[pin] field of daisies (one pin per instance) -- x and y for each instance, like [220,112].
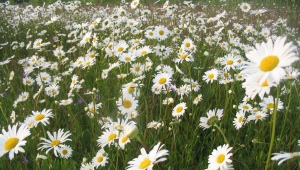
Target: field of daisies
[149,86]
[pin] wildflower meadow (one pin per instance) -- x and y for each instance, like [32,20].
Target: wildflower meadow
[141,85]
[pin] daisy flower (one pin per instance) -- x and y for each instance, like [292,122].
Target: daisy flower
[220,157]
[210,75]
[283,156]
[198,99]
[179,110]
[127,103]
[108,137]
[100,159]
[239,119]
[134,4]
[41,117]
[268,59]
[269,103]
[213,116]
[245,7]
[65,151]
[245,106]
[258,116]
[154,124]
[87,166]
[162,79]
[147,161]
[161,32]
[12,140]
[120,47]
[56,141]
[253,87]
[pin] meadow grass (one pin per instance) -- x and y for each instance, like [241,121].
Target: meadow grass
[51,44]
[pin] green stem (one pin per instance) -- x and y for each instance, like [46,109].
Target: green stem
[221,131]
[273,122]
[3,112]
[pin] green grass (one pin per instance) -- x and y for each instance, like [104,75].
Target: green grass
[189,145]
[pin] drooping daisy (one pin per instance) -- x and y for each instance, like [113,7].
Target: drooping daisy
[283,156]
[100,159]
[220,157]
[127,103]
[12,140]
[154,125]
[268,59]
[56,141]
[147,161]
[179,110]
[213,116]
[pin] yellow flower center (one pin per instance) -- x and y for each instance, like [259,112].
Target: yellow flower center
[258,116]
[144,52]
[187,44]
[150,33]
[161,32]
[179,109]
[162,80]
[220,158]
[39,117]
[136,41]
[145,163]
[38,44]
[55,143]
[245,107]
[270,105]
[11,143]
[240,119]
[245,7]
[134,3]
[127,58]
[137,69]
[127,103]
[92,55]
[124,139]
[269,63]
[120,49]
[100,159]
[183,56]
[92,109]
[64,152]
[210,76]
[130,89]
[229,62]
[112,137]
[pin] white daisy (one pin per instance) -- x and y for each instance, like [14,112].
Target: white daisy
[12,140]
